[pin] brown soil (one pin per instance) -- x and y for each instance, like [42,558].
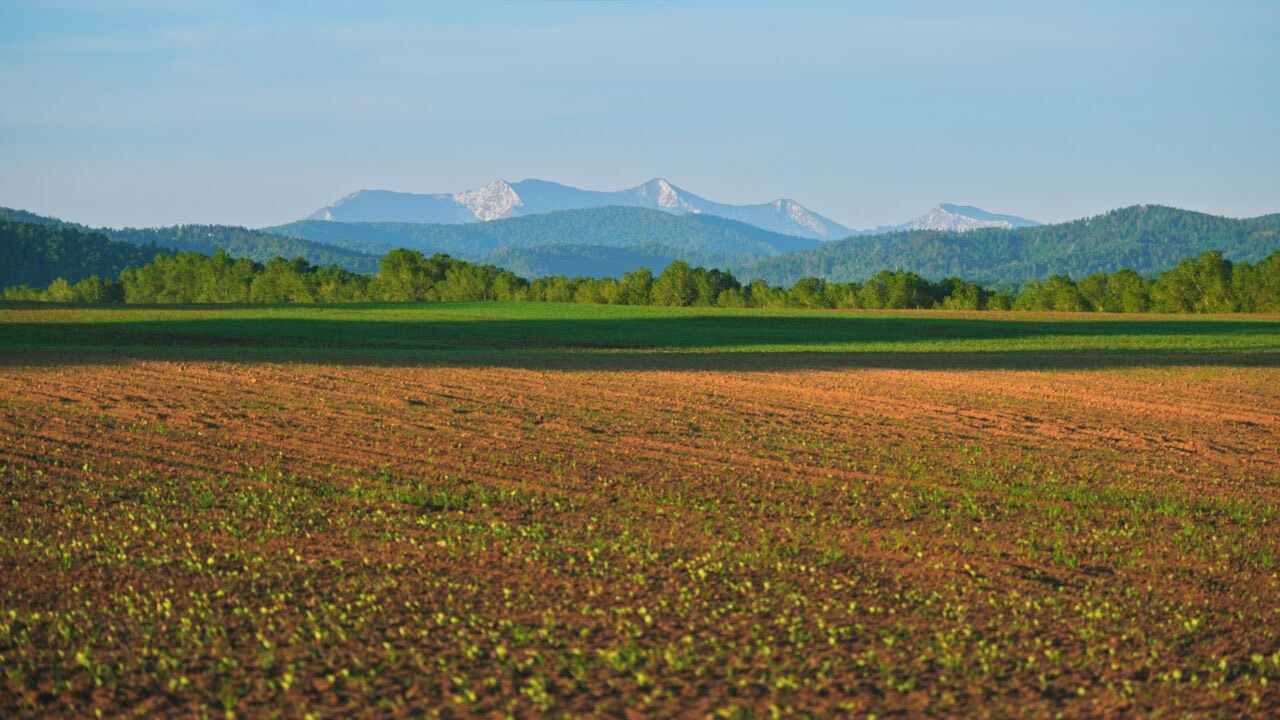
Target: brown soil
[198,537]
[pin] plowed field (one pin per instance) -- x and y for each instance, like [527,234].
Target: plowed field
[489,510]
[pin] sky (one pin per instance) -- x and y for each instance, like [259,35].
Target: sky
[153,112]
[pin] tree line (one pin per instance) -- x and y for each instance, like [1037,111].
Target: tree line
[1207,283]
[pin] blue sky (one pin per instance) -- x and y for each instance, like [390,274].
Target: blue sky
[145,112]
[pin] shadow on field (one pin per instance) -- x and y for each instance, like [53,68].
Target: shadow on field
[745,361]
[710,342]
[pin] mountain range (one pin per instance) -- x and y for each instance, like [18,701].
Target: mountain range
[1144,238]
[501,200]
[610,226]
[611,240]
[947,217]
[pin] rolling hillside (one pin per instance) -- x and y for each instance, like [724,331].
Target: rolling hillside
[36,254]
[1144,238]
[253,244]
[629,228]
[206,239]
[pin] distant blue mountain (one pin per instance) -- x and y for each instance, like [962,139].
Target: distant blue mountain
[1144,238]
[636,229]
[502,200]
[948,217]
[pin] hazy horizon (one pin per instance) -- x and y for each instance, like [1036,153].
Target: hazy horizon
[148,113]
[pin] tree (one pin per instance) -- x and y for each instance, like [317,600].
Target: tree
[508,286]
[840,295]
[283,281]
[226,280]
[333,284]
[1002,300]
[61,291]
[1257,287]
[464,281]
[635,287]
[588,291]
[909,290]
[808,293]
[1065,295]
[558,288]
[710,283]
[676,286]
[761,295]
[403,276]
[94,289]
[900,289]
[961,295]
[1197,285]
[732,298]
[1057,293]
[1127,292]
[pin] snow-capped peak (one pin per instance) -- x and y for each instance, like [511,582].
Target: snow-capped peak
[491,202]
[665,195]
[963,218]
[801,216]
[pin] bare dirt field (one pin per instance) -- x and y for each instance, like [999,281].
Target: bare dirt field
[210,536]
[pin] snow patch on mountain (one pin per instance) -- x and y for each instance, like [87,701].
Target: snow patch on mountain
[492,202]
[664,196]
[964,218]
[800,215]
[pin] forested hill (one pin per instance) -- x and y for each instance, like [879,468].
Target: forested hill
[33,253]
[206,239]
[1144,238]
[606,242]
[253,244]
[30,217]
[613,227]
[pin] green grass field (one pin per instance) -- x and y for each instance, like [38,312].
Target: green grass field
[536,334]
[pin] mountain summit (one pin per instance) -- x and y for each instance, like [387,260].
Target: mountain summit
[499,200]
[962,218]
[494,201]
